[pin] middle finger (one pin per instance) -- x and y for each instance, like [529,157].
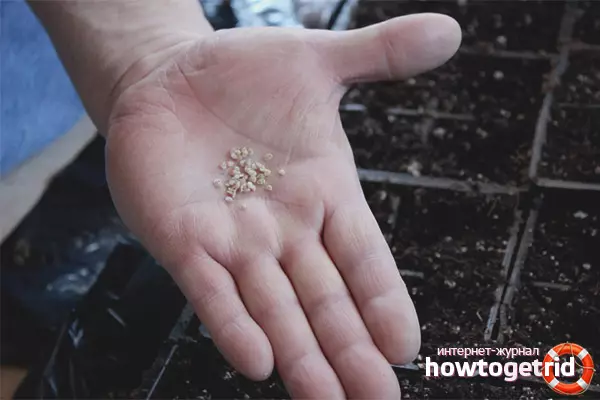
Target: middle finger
[344,338]
[270,299]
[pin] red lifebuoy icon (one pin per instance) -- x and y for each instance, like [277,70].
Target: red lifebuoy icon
[583,382]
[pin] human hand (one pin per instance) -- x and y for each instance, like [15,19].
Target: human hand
[302,278]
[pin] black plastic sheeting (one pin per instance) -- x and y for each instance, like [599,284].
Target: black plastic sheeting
[112,335]
[84,306]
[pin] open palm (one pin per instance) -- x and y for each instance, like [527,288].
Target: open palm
[299,277]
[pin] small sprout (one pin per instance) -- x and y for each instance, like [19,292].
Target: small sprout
[269,188]
[228,199]
[223,165]
[251,186]
[244,188]
[268,157]
[217,183]
[244,152]
[281,172]
[266,172]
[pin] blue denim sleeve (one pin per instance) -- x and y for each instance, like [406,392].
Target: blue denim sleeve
[37,100]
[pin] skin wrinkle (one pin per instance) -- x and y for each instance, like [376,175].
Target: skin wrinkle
[299,373]
[286,205]
[327,301]
[210,111]
[324,66]
[278,312]
[142,106]
[205,297]
[148,68]
[233,321]
[179,217]
[272,309]
[354,346]
[388,293]
[388,54]
[298,359]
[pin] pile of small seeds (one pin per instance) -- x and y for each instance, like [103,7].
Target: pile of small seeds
[245,174]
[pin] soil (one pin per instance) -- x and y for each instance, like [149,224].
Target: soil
[531,25]
[587,27]
[580,85]
[456,242]
[572,149]
[500,98]
[564,251]
[198,371]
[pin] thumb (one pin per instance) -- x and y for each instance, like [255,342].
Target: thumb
[395,49]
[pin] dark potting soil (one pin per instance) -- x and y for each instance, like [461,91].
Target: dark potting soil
[515,25]
[587,27]
[501,97]
[422,388]
[572,149]
[449,247]
[198,371]
[456,241]
[564,251]
[580,84]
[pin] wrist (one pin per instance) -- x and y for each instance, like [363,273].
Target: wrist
[107,46]
[135,64]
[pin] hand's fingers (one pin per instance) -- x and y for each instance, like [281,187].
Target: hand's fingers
[362,368]
[212,292]
[271,300]
[394,49]
[354,241]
